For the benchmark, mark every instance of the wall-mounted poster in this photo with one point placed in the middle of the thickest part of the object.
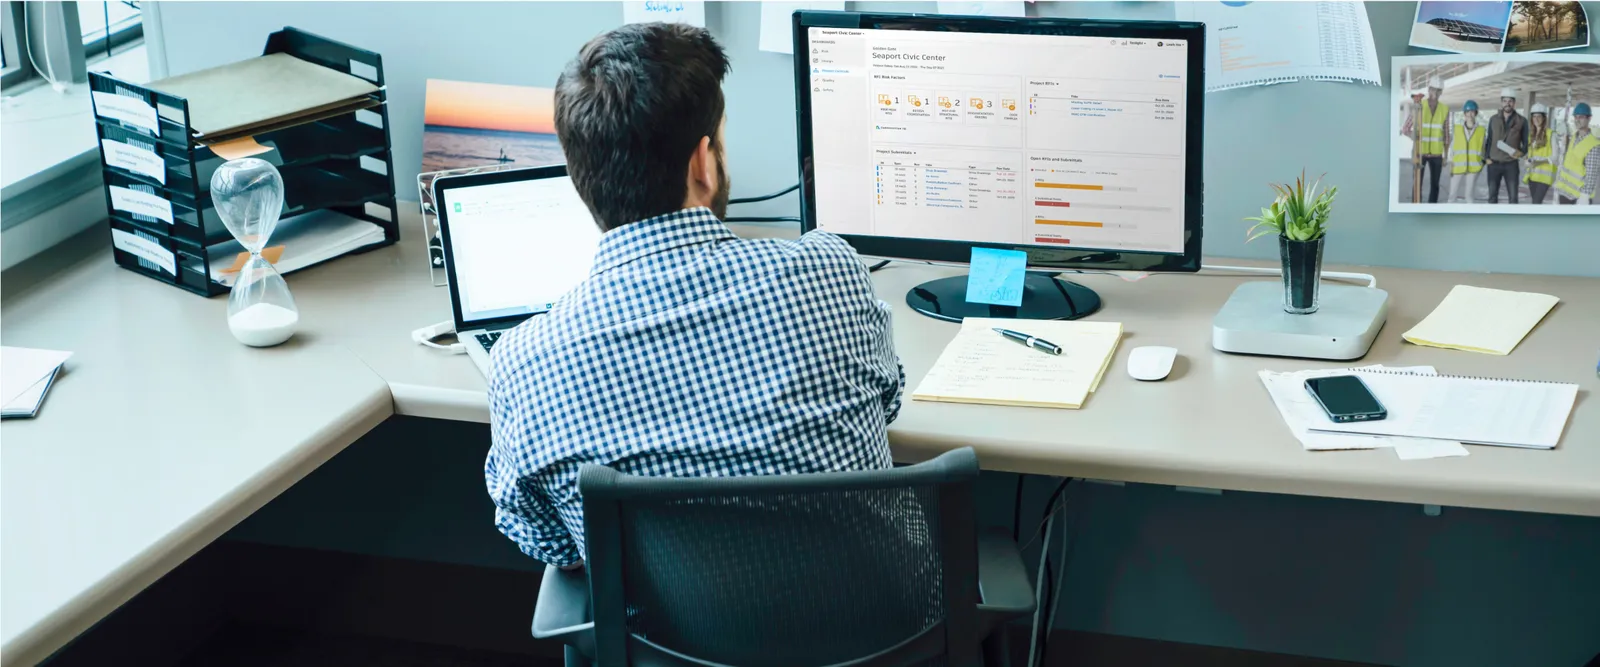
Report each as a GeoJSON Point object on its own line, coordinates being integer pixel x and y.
{"type": "Point", "coordinates": [1496, 133]}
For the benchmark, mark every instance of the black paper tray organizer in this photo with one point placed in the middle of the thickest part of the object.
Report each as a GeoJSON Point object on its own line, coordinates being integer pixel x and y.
{"type": "Point", "coordinates": [157, 165]}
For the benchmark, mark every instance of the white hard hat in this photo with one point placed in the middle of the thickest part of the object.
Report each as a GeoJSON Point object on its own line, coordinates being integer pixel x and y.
{"type": "Point", "coordinates": [1540, 108]}
{"type": "Point", "coordinates": [1508, 92]}
{"type": "Point", "coordinates": [1435, 82]}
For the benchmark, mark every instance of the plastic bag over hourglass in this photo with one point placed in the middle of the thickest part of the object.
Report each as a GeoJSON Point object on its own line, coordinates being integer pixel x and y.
{"type": "Point", "coordinates": [248, 194]}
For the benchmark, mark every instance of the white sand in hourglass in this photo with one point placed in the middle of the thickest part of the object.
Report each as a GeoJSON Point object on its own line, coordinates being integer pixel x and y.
{"type": "Point", "coordinates": [248, 194]}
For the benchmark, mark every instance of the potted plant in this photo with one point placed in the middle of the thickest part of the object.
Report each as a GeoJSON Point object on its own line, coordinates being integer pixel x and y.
{"type": "Point", "coordinates": [1299, 217]}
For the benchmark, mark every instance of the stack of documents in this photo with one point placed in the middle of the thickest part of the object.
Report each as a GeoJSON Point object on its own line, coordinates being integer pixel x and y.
{"type": "Point", "coordinates": [1474, 410]}
{"type": "Point", "coordinates": [263, 94]}
{"type": "Point", "coordinates": [306, 239]}
{"type": "Point", "coordinates": [1302, 413]}
{"type": "Point", "coordinates": [25, 376]}
{"type": "Point", "coordinates": [1429, 415]}
{"type": "Point", "coordinates": [1478, 319]}
{"type": "Point", "coordinates": [981, 366]}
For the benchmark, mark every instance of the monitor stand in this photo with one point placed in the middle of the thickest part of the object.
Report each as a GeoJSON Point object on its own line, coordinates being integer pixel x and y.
{"type": "Point", "coordinates": [1044, 297]}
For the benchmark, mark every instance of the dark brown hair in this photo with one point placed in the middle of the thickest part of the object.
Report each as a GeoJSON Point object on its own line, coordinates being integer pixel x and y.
{"type": "Point", "coordinates": [631, 110]}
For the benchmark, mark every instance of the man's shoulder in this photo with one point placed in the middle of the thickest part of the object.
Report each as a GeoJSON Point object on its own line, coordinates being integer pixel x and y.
{"type": "Point", "coordinates": [814, 250]}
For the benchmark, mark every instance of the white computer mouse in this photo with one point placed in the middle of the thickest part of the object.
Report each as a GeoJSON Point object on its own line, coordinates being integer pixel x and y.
{"type": "Point", "coordinates": [1151, 363]}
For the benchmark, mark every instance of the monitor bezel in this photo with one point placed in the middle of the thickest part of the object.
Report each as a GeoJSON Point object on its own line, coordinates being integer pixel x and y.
{"type": "Point", "coordinates": [1039, 256]}
{"type": "Point", "coordinates": [441, 197]}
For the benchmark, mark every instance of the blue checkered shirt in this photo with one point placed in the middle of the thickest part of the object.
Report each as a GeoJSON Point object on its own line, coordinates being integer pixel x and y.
{"type": "Point", "coordinates": [689, 352]}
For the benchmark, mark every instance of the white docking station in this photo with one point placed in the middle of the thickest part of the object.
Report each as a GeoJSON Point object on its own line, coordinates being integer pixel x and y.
{"type": "Point", "coordinates": [1253, 322]}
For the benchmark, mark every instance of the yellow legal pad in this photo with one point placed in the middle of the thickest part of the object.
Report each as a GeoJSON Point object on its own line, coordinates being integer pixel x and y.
{"type": "Point", "coordinates": [1478, 319]}
{"type": "Point", "coordinates": [981, 366]}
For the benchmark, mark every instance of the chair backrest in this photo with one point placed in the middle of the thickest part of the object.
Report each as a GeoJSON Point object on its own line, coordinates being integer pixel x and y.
{"type": "Point", "coordinates": [853, 568]}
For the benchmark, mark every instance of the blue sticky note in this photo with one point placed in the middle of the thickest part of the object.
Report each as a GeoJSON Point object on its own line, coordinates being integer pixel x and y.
{"type": "Point", "coordinates": [995, 276]}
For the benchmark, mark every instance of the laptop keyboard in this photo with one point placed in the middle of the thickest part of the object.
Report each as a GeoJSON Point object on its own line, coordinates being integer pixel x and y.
{"type": "Point", "coordinates": [487, 339]}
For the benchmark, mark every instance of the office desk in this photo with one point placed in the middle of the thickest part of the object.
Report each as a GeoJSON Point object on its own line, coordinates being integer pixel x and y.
{"type": "Point", "coordinates": [160, 436]}
{"type": "Point", "coordinates": [165, 432]}
{"type": "Point", "coordinates": [1210, 424]}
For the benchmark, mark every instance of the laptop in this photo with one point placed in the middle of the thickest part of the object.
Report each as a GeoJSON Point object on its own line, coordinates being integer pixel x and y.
{"type": "Point", "coordinates": [514, 242]}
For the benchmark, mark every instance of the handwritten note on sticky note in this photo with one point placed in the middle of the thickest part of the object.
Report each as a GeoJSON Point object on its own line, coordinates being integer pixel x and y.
{"type": "Point", "coordinates": [996, 276]}
{"type": "Point", "coordinates": [666, 11]}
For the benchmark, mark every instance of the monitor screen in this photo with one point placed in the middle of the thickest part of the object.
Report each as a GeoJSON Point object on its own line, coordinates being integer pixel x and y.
{"type": "Point", "coordinates": [515, 247]}
{"type": "Point", "coordinates": [927, 137]}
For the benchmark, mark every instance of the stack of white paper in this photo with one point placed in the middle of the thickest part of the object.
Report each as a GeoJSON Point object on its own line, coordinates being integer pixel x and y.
{"type": "Point", "coordinates": [25, 376]}
{"type": "Point", "coordinates": [1302, 413]}
{"type": "Point", "coordinates": [306, 239]}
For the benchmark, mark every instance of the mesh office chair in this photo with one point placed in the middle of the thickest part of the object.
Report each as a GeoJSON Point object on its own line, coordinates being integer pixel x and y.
{"type": "Point", "coordinates": [855, 569]}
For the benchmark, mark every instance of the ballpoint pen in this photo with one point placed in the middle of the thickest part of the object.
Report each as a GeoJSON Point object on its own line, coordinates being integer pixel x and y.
{"type": "Point", "coordinates": [1030, 341]}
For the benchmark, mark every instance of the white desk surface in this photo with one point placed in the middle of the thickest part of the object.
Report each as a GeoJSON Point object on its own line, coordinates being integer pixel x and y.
{"type": "Point", "coordinates": [142, 453]}
{"type": "Point", "coordinates": [161, 434]}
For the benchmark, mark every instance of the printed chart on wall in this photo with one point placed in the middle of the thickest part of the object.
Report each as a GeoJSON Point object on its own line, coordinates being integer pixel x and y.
{"type": "Point", "coordinates": [1500, 27]}
{"type": "Point", "coordinates": [1263, 43]}
{"type": "Point", "coordinates": [1494, 133]}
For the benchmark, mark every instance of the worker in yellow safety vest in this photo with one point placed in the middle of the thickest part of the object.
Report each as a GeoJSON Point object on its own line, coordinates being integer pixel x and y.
{"type": "Point", "coordinates": [1432, 140]}
{"type": "Point", "coordinates": [1466, 154]}
{"type": "Point", "coordinates": [1541, 171]}
{"type": "Point", "coordinates": [1579, 175]}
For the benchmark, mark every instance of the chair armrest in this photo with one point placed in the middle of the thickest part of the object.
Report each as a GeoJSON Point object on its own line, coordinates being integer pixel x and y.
{"type": "Point", "coordinates": [1003, 587]}
{"type": "Point", "coordinates": [562, 611]}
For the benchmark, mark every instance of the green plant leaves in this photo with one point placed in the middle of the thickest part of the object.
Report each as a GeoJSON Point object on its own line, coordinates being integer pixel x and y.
{"type": "Point", "coordinates": [1299, 213]}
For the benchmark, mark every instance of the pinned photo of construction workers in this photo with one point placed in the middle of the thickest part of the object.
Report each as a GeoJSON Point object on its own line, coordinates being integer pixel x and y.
{"type": "Point", "coordinates": [1506, 133]}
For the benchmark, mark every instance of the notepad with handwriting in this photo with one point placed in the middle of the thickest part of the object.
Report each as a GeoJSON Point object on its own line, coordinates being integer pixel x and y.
{"type": "Point", "coordinates": [1478, 319]}
{"type": "Point", "coordinates": [981, 366]}
{"type": "Point", "coordinates": [1472, 410]}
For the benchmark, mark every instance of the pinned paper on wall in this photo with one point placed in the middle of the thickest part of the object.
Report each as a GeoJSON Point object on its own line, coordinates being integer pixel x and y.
{"type": "Point", "coordinates": [777, 31]}
{"type": "Point", "coordinates": [996, 276]}
{"type": "Point", "coordinates": [984, 8]}
{"type": "Point", "coordinates": [692, 13]}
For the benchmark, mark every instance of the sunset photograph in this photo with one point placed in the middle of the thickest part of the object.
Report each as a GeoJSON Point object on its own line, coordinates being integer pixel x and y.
{"type": "Point", "coordinates": [470, 124]}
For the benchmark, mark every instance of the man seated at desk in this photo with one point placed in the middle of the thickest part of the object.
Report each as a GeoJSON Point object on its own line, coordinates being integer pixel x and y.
{"type": "Point", "coordinates": [687, 351]}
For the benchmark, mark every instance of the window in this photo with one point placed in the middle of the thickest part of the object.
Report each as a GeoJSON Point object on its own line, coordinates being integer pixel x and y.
{"type": "Point", "coordinates": [107, 25]}
{"type": "Point", "coordinates": [16, 66]}
{"type": "Point", "coordinates": [90, 29]}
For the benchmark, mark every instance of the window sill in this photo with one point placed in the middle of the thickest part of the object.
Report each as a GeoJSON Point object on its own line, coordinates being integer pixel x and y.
{"type": "Point", "coordinates": [51, 158]}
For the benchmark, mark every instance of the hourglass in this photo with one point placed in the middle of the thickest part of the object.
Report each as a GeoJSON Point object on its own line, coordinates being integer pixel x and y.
{"type": "Point", "coordinates": [248, 194]}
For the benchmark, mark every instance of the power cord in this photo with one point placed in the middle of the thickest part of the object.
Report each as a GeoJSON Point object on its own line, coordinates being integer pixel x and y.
{"type": "Point", "coordinates": [44, 43]}
{"type": "Point", "coordinates": [1049, 582]}
{"type": "Point", "coordinates": [425, 337]}
{"type": "Point", "coordinates": [775, 195]}
{"type": "Point", "coordinates": [1372, 281]}
{"type": "Point", "coordinates": [778, 218]}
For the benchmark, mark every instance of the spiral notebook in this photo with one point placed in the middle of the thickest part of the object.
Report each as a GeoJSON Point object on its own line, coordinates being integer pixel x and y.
{"type": "Point", "coordinates": [1471, 410]}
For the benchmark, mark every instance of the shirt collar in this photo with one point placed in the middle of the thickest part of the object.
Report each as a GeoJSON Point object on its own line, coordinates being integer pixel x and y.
{"type": "Point", "coordinates": [690, 226]}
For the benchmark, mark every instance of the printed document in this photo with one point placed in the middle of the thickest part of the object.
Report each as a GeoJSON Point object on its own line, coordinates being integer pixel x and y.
{"type": "Point", "coordinates": [1262, 43]}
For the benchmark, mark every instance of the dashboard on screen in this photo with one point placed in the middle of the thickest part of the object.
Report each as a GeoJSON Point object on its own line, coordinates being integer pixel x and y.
{"type": "Point", "coordinates": [1051, 141]}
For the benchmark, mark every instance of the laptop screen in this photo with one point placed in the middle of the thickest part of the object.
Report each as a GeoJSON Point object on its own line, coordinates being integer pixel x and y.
{"type": "Point", "coordinates": [517, 246]}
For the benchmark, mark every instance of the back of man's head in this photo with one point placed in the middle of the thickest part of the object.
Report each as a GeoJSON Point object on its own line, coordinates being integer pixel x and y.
{"type": "Point", "coordinates": [632, 109]}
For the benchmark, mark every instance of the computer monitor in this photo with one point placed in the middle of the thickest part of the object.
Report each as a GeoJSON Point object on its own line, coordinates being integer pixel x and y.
{"type": "Point", "coordinates": [1075, 141]}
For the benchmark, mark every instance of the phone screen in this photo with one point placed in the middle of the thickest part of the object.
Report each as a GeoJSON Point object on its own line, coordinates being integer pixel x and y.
{"type": "Point", "coordinates": [1344, 395]}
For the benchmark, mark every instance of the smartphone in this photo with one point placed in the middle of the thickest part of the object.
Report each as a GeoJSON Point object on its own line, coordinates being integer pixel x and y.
{"type": "Point", "coordinates": [1346, 399]}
